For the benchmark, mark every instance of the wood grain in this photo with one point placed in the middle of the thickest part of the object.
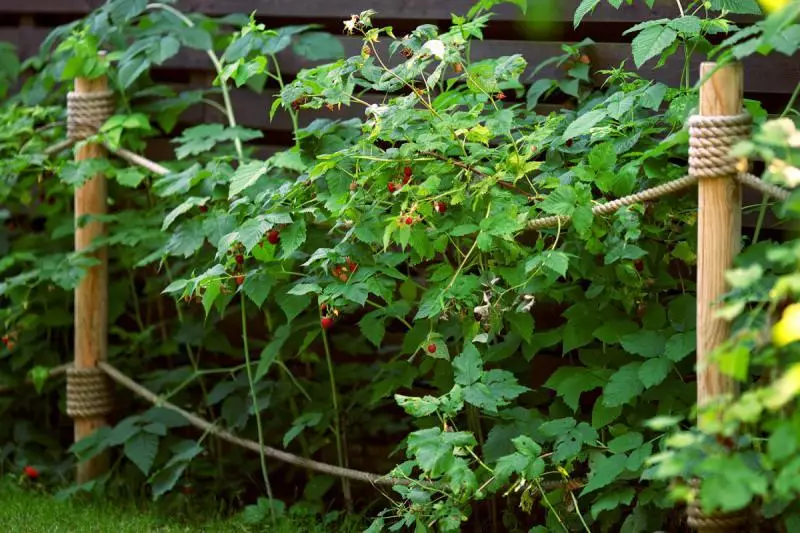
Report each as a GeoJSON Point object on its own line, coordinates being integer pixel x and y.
{"type": "Point", "coordinates": [91, 295]}
{"type": "Point", "coordinates": [719, 234]}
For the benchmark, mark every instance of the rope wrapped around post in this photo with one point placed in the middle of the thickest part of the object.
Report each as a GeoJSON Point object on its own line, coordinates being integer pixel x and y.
{"type": "Point", "coordinates": [88, 393]}
{"type": "Point", "coordinates": [87, 112]}
{"type": "Point", "coordinates": [711, 140]}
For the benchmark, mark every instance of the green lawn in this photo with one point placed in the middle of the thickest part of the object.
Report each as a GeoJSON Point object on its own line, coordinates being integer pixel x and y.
{"type": "Point", "coordinates": [26, 511]}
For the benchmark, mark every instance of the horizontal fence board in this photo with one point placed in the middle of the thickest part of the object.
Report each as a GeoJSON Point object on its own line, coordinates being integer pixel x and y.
{"type": "Point", "coordinates": [387, 10]}
{"type": "Point", "coordinates": [777, 74]}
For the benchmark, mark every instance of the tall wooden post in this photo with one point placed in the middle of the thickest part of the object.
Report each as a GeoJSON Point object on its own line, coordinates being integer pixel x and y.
{"type": "Point", "coordinates": [91, 296]}
{"type": "Point", "coordinates": [719, 232]}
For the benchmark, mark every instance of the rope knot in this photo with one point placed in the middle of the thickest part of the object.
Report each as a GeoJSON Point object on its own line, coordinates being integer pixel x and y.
{"type": "Point", "coordinates": [87, 112]}
{"type": "Point", "coordinates": [710, 142]}
{"type": "Point", "coordinates": [697, 519]}
{"type": "Point", "coordinates": [88, 393]}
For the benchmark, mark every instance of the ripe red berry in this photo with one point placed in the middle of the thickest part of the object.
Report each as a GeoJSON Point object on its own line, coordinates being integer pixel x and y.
{"type": "Point", "coordinates": [5, 339]}
{"type": "Point", "coordinates": [639, 265]}
{"type": "Point", "coordinates": [239, 259]}
{"type": "Point", "coordinates": [239, 279]}
{"type": "Point", "coordinates": [273, 236]}
{"type": "Point", "coordinates": [392, 187]}
{"type": "Point", "coordinates": [440, 207]}
{"type": "Point", "coordinates": [407, 172]}
{"type": "Point", "coordinates": [30, 472]}
{"type": "Point", "coordinates": [352, 266]}
{"type": "Point", "coordinates": [409, 220]}
{"type": "Point", "coordinates": [326, 322]}
{"type": "Point", "coordinates": [431, 348]}
{"type": "Point", "coordinates": [203, 208]}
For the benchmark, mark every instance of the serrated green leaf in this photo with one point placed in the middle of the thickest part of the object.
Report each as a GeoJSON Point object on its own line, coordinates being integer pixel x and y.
{"type": "Point", "coordinates": [654, 371]}
{"type": "Point", "coordinates": [623, 386]}
{"type": "Point", "coordinates": [651, 41]}
{"type": "Point", "coordinates": [584, 123]}
{"type": "Point", "coordinates": [141, 449]}
{"type": "Point", "coordinates": [245, 176]}
{"type": "Point", "coordinates": [604, 472]}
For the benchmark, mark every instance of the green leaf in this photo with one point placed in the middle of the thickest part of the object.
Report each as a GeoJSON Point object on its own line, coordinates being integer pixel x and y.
{"type": "Point", "coordinates": [257, 287]}
{"type": "Point", "coordinates": [522, 324]}
{"type": "Point", "coordinates": [560, 202]}
{"type": "Point", "coordinates": [293, 236]}
{"type": "Point", "coordinates": [688, 25]}
{"type": "Point", "coordinates": [39, 375]}
{"type": "Point", "coordinates": [570, 382]}
{"type": "Point", "coordinates": [165, 480]}
{"type": "Point", "coordinates": [680, 345]}
{"type": "Point", "coordinates": [602, 415]}
{"type": "Point", "coordinates": [584, 8]}
{"type": "Point", "coordinates": [252, 231]}
{"type": "Point", "coordinates": [646, 343]}
{"type": "Point", "coordinates": [606, 470]}
{"type": "Point", "coordinates": [167, 47]}
{"type": "Point", "coordinates": [272, 350]}
{"type": "Point", "coordinates": [130, 71]}
{"type": "Point", "coordinates": [306, 420]}
{"type": "Point", "coordinates": [603, 157]}
{"type": "Point", "coordinates": [734, 361]}
{"type": "Point", "coordinates": [318, 46]}
{"type": "Point", "coordinates": [372, 327]}
{"type": "Point", "coordinates": [141, 449]}
{"type": "Point", "coordinates": [584, 123]}
{"type": "Point", "coordinates": [611, 332]}
{"type": "Point", "coordinates": [557, 262]}
{"type": "Point", "coordinates": [652, 41]}
{"type": "Point", "coordinates": [292, 305]}
{"type": "Point", "coordinates": [185, 206]}
{"type": "Point", "coordinates": [468, 366]}
{"type": "Point", "coordinates": [783, 442]}
{"type": "Point", "coordinates": [610, 500]}
{"type": "Point", "coordinates": [623, 386]}
{"type": "Point", "coordinates": [245, 176]}
{"type": "Point", "coordinates": [654, 371]}
{"type": "Point", "coordinates": [129, 177]}
{"type": "Point", "coordinates": [417, 407]}
{"type": "Point", "coordinates": [626, 442]}
{"type": "Point", "coordinates": [739, 7]}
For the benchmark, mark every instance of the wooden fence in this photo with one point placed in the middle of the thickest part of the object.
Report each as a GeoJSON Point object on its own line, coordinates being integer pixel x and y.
{"type": "Point", "coordinates": [771, 80]}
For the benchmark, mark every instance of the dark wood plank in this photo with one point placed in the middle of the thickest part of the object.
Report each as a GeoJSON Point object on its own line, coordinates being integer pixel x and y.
{"type": "Point", "coordinates": [777, 74]}
{"type": "Point", "coordinates": [388, 10]}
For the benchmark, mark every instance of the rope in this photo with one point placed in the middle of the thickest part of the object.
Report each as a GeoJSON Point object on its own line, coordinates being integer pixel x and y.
{"type": "Point", "coordinates": [614, 205]}
{"type": "Point", "coordinates": [710, 142]}
{"type": "Point", "coordinates": [87, 112]}
{"type": "Point", "coordinates": [88, 393]}
{"type": "Point", "coordinates": [54, 372]}
{"type": "Point", "coordinates": [754, 182]}
{"type": "Point", "coordinates": [267, 451]}
{"type": "Point", "coordinates": [141, 161]}
{"type": "Point", "coordinates": [697, 519]}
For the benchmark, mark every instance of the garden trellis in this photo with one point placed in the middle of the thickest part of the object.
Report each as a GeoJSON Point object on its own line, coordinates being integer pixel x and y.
{"type": "Point", "coordinates": [718, 127]}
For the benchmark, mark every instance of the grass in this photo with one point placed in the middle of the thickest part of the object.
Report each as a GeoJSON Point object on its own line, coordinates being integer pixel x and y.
{"type": "Point", "coordinates": [23, 510]}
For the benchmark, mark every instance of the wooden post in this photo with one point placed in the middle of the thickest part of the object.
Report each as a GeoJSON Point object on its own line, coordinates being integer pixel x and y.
{"type": "Point", "coordinates": [91, 295]}
{"type": "Point", "coordinates": [719, 233]}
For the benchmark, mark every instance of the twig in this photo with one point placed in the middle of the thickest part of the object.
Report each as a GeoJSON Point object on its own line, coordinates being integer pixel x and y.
{"type": "Point", "coordinates": [474, 170]}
